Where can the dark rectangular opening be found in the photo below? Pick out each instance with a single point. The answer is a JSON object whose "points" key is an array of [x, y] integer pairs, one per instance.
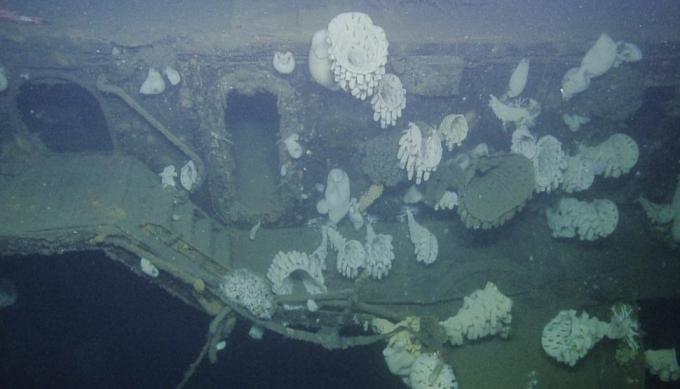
{"points": [[253, 121]]}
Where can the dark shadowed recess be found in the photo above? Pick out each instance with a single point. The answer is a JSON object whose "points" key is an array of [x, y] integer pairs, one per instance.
{"points": [[257, 106], [83, 320], [65, 116]]}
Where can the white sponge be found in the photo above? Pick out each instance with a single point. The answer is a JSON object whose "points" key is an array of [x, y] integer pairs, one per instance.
{"points": [[663, 363], [569, 337], [431, 372], [578, 175], [587, 221], [248, 290], [379, 253], [617, 155], [486, 312], [285, 264], [351, 254]]}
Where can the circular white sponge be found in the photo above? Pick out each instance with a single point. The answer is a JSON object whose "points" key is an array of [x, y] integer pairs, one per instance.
{"points": [[358, 53]]}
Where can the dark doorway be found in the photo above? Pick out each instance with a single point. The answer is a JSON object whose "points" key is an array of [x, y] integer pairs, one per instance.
{"points": [[253, 121]]}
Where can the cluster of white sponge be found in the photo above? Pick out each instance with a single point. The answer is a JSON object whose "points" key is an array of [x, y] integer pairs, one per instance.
{"points": [[614, 157], [578, 175], [485, 312], [375, 255], [351, 255], [546, 155], [602, 56], [419, 154], [582, 219]]}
